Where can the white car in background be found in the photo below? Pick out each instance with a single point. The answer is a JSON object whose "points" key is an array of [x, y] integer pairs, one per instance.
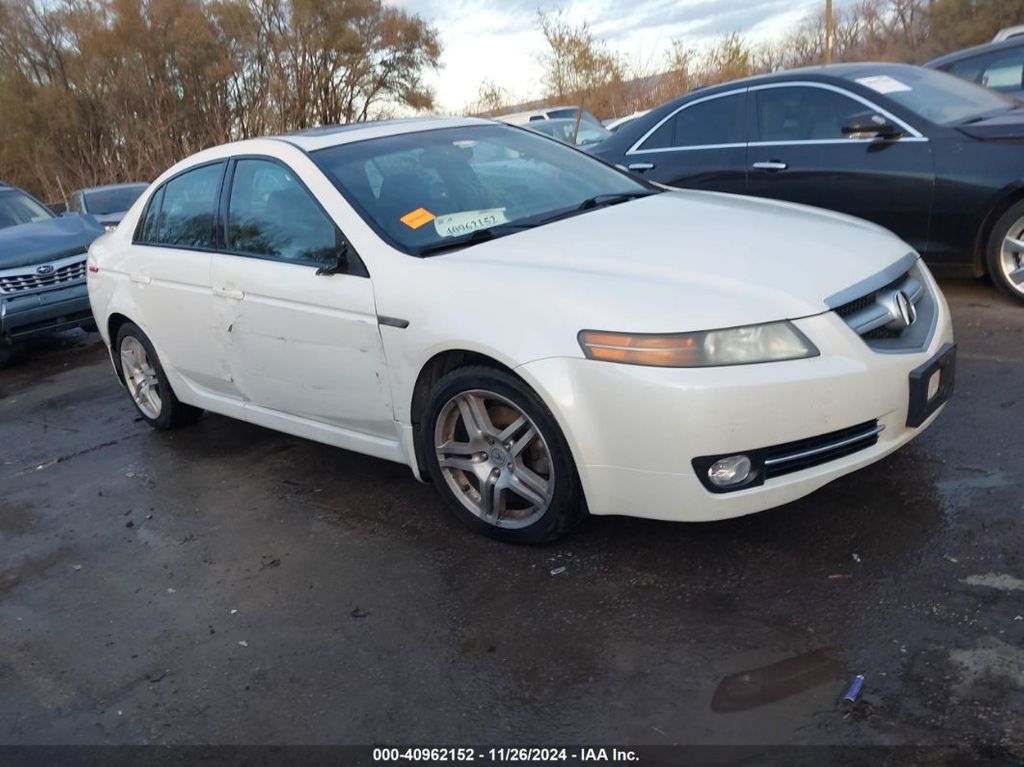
{"points": [[618, 122], [535, 332], [548, 113]]}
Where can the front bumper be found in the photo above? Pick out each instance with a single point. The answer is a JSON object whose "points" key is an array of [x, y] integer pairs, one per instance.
{"points": [[635, 431], [23, 315]]}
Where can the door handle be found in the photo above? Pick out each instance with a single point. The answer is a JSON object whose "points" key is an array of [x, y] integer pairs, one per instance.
{"points": [[141, 279], [641, 166], [238, 295], [770, 165]]}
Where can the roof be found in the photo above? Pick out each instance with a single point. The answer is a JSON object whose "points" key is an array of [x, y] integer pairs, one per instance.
{"points": [[332, 135], [966, 53], [105, 187]]}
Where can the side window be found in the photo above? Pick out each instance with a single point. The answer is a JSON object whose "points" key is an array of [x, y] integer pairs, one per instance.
{"points": [[183, 212], [716, 121], [799, 113], [147, 229], [1005, 73], [1001, 71], [75, 206], [271, 214]]}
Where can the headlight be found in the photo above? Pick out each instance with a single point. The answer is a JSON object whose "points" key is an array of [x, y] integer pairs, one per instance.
{"points": [[772, 342], [110, 227]]}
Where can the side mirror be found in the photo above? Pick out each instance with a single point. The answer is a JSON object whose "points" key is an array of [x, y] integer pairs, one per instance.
{"points": [[339, 265], [870, 125]]}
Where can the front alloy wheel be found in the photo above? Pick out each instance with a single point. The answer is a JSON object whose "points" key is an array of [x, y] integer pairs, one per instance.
{"points": [[1011, 256], [494, 459], [497, 456], [1005, 256]]}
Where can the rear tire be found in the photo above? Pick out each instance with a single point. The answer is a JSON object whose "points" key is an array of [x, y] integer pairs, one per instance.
{"points": [[1004, 257], [496, 455], [146, 382]]}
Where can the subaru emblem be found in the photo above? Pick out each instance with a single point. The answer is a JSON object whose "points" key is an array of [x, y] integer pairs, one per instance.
{"points": [[45, 269]]}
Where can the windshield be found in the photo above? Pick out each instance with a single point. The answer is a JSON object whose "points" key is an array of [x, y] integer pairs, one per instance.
{"points": [[421, 189], [103, 202], [936, 96], [18, 208]]}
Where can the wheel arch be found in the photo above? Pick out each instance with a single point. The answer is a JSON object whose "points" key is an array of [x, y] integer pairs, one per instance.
{"points": [[430, 373], [114, 323]]}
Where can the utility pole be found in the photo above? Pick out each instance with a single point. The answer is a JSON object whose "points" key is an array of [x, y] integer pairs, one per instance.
{"points": [[829, 31]]}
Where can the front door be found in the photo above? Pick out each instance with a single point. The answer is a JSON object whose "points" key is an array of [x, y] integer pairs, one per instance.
{"points": [[302, 346], [799, 153]]}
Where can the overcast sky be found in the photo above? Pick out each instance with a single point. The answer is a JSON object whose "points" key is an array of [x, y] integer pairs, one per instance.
{"points": [[500, 39]]}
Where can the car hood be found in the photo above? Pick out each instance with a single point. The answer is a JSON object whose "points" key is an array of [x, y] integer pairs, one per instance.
{"points": [[42, 241], [683, 260], [1004, 127]]}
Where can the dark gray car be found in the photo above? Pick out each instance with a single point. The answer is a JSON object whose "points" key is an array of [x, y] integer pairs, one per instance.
{"points": [[42, 268], [999, 66], [107, 204]]}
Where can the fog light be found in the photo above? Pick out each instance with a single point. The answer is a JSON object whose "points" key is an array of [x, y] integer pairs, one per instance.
{"points": [[726, 472]]}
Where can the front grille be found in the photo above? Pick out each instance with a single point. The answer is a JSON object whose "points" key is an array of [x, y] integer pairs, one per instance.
{"points": [[805, 453], [877, 318], [17, 282]]}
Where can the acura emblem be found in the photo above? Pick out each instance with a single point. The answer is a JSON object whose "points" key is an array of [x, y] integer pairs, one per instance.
{"points": [[905, 311], [45, 269]]}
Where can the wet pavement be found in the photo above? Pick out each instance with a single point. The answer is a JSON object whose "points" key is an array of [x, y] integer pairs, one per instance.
{"points": [[227, 584]]}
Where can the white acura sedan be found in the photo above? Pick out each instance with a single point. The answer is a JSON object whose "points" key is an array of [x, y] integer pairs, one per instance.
{"points": [[538, 334]]}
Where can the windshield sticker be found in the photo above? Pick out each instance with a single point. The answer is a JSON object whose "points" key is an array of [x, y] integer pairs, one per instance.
{"points": [[884, 84], [417, 218], [454, 224]]}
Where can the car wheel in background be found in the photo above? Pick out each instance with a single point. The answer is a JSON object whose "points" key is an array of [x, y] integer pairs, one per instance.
{"points": [[499, 459], [1005, 256], [146, 382]]}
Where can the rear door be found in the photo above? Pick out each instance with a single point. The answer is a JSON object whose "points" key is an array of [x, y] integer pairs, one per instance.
{"points": [[169, 276], [303, 347], [798, 153], [702, 145]]}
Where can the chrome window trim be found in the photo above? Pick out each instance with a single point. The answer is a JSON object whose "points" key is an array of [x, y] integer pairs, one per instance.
{"points": [[635, 149], [915, 135]]}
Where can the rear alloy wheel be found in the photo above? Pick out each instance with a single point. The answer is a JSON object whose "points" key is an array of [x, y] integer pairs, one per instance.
{"points": [[497, 456], [146, 382], [1006, 252]]}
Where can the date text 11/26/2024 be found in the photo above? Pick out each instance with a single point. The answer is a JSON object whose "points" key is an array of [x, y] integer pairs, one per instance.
{"points": [[596, 755]]}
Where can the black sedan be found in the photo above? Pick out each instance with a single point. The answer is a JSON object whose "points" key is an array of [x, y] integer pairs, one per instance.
{"points": [[937, 160]]}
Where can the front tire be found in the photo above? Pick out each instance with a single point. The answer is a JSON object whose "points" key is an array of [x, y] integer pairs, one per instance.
{"points": [[1005, 255], [497, 456], [146, 382]]}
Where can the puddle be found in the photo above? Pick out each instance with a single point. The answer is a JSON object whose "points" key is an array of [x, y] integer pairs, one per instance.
{"points": [[760, 686], [1000, 581], [958, 493]]}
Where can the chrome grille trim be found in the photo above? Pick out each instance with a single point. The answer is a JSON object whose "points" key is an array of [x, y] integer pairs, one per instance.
{"points": [[22, 279], [896, 316], [837, 445]]}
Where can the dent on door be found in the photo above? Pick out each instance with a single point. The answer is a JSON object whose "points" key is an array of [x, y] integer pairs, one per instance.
{"points": [[305, 345]]}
